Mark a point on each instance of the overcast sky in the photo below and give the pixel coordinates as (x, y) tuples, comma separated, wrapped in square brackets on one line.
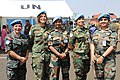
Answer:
[(89, 7)]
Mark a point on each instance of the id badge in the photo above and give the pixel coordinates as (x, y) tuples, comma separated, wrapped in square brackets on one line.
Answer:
[(104, 42), (65, 41)]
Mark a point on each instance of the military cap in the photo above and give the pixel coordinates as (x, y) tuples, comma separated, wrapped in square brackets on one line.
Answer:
[(104, 16), (114, 20), (41, 12), (79, 16), (57, 18), (16, 22)]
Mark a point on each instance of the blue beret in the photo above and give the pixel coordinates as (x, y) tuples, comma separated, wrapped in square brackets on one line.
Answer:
[(104, 16), (67, 19), (56, 18), (114, 20), (16, 22), (79, 16), (41, 12)]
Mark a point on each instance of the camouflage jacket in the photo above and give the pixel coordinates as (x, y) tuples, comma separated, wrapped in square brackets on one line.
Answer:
[(59, 40), (39, 35), (103, 39), (80, 39), (17, 44)]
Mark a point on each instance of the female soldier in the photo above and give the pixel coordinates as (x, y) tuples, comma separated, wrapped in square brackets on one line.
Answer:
[(58, 43), (80, 43), (17, 49), (103, 50), (40, 53)]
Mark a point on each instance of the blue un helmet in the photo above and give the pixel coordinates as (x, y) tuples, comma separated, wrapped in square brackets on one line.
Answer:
[(114, 20), (104, 16), (16, 22), (57, 18), (79, 16), (41, 12)]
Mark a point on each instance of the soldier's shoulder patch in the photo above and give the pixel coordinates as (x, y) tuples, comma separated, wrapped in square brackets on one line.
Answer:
[(71, 34), (49, 36), (7, 42)]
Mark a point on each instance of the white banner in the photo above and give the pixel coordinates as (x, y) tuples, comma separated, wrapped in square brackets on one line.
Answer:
[(20, 8)]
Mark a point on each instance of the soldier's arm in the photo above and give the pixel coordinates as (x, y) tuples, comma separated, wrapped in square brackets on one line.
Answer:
[(92, 49), (50, 46), (16, 56), (66, 50), (54, 51), (113, 44), (71, 40), (8, 49), (27, 54), (108, 51)]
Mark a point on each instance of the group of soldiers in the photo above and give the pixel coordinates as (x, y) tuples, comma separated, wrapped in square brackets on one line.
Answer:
[(51, 49)]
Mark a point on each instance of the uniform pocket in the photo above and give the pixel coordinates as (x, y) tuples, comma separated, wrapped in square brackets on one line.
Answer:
[(12, 64)]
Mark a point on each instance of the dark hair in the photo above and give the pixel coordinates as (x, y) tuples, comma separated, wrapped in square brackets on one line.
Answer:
[(40, 16), (71, 23), (4, 26), (27, 20)]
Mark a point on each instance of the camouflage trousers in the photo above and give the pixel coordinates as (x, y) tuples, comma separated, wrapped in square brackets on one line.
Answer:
[(57, 63), (18, 73), (106, 70), (81, 66), (40, 65)]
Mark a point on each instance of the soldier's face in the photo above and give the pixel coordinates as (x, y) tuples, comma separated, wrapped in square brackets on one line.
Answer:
[(17, 28), (58, 24), (104, 22), (43, 18), (80, 22)]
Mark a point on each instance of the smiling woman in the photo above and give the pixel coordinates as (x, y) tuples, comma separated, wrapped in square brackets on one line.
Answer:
[(16, 46), (103, 48)]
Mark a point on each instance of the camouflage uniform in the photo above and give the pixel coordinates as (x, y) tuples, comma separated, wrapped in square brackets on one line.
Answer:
[(106, 70), (40, 53), (15, 70), (59, 40), (80, 40)]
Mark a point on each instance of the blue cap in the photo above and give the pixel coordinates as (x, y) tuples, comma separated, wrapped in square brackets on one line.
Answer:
[(67, 19), (114, 20), (79, 16), (16, 22), (104, 16), (57, 18), (41, 12)]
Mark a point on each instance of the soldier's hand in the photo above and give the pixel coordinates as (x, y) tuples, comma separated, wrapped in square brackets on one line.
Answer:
[(62, 56), (22, 60), (100, 60)]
